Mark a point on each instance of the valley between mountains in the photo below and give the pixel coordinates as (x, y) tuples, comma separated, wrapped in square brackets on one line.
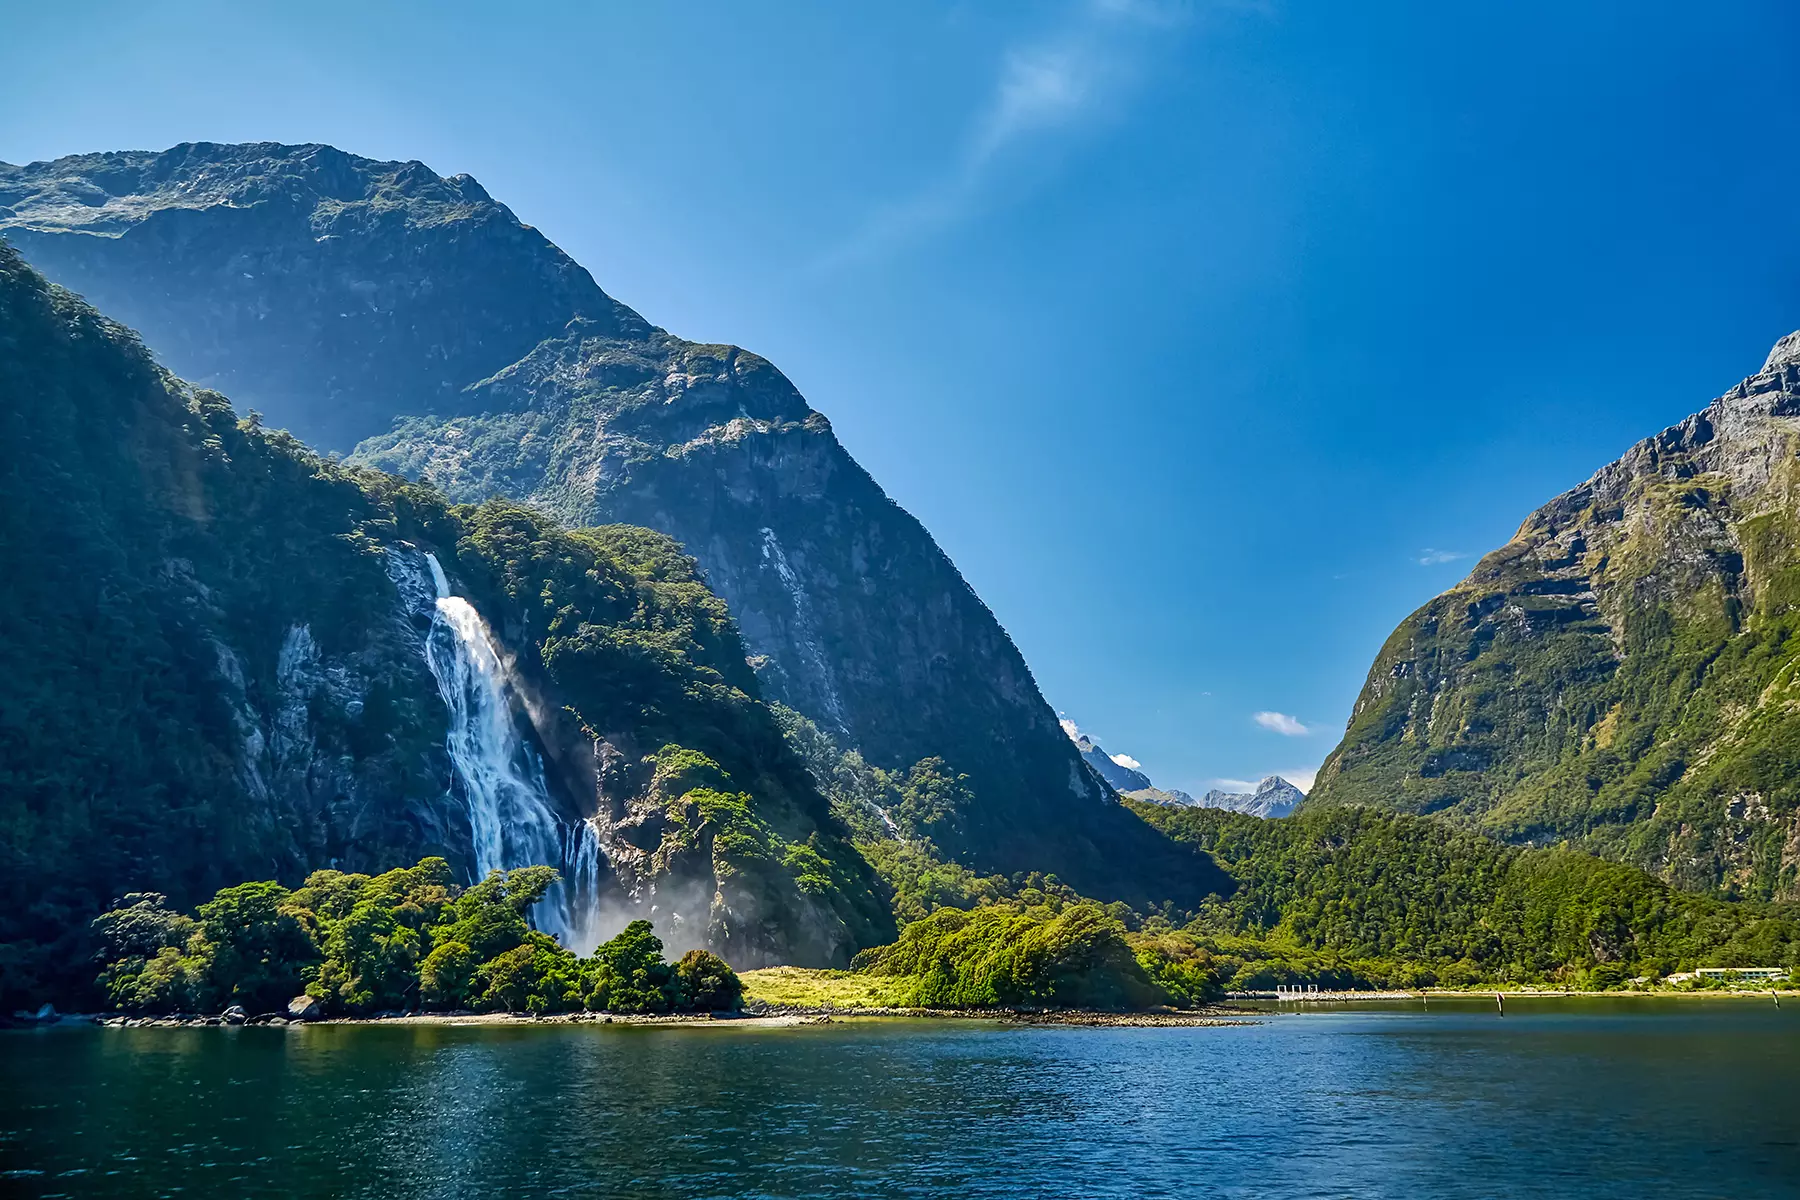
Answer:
[(361, 552)]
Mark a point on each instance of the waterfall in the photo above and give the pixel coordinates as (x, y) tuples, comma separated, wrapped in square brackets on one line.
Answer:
[(806, 630), (511, 817)]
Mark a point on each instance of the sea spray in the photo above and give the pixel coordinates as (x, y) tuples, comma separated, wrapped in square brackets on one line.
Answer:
[(511, 818)]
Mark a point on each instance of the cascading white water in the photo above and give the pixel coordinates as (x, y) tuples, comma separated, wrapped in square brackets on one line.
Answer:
[(511, 816)]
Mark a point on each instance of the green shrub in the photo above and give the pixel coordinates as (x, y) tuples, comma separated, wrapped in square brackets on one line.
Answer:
[(407, 938)]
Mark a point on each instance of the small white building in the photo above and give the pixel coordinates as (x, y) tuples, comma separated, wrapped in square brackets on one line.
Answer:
[(1760, 974)]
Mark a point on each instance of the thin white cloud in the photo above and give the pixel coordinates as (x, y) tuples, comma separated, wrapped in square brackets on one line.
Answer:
[(1431, 558), (1043, 85), (1040, 87), (1281, 723), (1233, 785), (1128, 762), (1071, 728)]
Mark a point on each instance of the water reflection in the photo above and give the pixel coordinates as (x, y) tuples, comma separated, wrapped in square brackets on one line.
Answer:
[(1577, 1099)]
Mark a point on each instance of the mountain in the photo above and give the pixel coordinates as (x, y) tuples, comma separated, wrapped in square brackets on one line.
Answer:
[(1172, 797), (1273, 797), (1119, 776), (228, 658), (1624, 674), (376, 307)]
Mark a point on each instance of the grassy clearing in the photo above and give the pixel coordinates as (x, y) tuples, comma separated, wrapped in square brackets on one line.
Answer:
[(800, 987)]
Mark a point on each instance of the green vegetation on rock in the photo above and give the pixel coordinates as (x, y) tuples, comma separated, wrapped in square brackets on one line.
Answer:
[(1624, 675)]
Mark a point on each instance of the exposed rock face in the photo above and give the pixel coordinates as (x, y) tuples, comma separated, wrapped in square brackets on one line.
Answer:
[(1622, 673), (337, 295)]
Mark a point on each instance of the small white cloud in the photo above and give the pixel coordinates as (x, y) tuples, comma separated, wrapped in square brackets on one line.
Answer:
[(1431, 558), (1281, 723), (1128, 762), (1233, 785), (1071, 728)]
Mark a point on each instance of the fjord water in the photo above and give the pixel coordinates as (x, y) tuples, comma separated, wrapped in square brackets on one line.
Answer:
[(1594, 1098)]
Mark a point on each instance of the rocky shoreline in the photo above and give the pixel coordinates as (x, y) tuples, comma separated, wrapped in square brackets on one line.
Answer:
[(750, 1016)]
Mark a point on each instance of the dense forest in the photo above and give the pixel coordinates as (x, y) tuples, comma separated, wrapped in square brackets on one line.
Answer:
[(1386, 897), (407, 939)]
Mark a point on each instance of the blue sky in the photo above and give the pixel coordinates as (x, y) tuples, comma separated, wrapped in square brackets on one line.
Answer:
[(1208, 338)]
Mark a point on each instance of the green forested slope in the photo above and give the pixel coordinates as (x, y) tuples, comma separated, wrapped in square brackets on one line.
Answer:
[(1622, 674), (211, 675)]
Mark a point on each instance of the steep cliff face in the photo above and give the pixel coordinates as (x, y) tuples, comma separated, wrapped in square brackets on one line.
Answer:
[(220, 665), (342, 296), (1622, 674)]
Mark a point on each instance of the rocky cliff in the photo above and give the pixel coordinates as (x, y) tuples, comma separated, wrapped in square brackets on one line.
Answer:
[(1622, 674), (228, 658), (377, 306)]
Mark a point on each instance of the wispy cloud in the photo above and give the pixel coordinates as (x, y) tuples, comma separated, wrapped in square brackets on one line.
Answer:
[(1233, 785), (1071, 728), (1128, 762), (1431, 558), (1046, 84), (1281, 723)]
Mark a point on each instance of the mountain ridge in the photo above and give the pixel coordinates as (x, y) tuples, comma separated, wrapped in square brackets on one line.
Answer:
[(1620, 675), (344, 296)]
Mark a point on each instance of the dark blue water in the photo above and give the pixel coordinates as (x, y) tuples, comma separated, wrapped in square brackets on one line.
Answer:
[(1599, 1100)]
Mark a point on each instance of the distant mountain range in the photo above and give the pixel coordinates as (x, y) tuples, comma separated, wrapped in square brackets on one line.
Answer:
[(1273, 797)]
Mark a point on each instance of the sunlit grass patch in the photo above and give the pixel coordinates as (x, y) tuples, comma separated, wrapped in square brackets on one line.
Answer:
[(802, 987)]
